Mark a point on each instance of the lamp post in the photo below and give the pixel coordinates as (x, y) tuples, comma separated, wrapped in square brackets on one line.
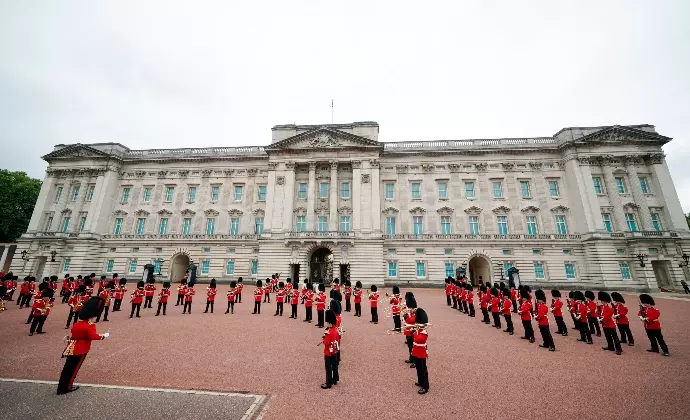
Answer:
[(25, 255), (52, 256), (642, 258), (686, 259)]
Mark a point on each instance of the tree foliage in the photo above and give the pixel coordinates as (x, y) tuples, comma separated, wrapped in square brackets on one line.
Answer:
[(687, 219), (18, 195)]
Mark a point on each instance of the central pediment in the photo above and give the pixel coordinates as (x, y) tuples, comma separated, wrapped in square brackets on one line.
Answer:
[(324, 138)]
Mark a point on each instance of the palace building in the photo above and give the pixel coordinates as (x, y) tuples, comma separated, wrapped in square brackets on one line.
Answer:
[(591, 206)]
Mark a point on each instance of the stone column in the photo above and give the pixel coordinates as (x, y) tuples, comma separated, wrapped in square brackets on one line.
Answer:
[(43, 201), (289, 188), (356, 193), (311, 194), (638, 195), (270, 196), (674, 217), (614, 198), (105, 198), (375, 196), (333, 198), (5, 252), (590, 200)]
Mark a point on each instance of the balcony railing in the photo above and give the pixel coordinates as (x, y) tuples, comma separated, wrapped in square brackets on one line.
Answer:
[(408, 146), (511, 237), (181, 236), (316, 234)]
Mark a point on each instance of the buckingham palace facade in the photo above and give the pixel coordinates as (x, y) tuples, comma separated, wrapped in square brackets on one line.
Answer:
[(588, 205)]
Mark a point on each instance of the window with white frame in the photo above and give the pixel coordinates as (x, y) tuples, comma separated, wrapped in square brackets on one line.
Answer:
[(442, 191), (302, 191), (417, 224), (507, 266), (133, 265), (234, 225), (169, 193), (608, 225), (390, 191), (532, 228), (323, 190), (597, 185), (186, 225), (210, 225), (525, 189), (90, 192), (569, 270), (625, 271), (445, 225), (448, 251), (644, 185), (392, 269), (255, 267), (474, 225), (49, 222), (239, 190), (75, 193), (125, 194), (163, 226), (109, 265), (421, 269), (502, 222), (230, 268), (117, 229), (469, 189), (416, 191), (620, 185), (82, 224), (539, 270), (450, 270), (390, 225), (323, 223), (65, 264), (191, 194), (215, 193), (58, 193), (205, 266), (141, 225), (656, 222), (344, 223), (156, 265), (65, 224), (147, 194), (631, 222), (497, 189), (301, 224), (553, 188), (561, 225), (259, 225), (345, 190), (261, 196)]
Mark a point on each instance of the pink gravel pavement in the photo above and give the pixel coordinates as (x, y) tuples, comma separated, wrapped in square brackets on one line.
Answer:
[(475, 371)]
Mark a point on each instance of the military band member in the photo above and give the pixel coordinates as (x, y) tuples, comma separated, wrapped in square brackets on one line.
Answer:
[(188, 297), (240, 286), (41, 310), (89, 285), (592, 313), (484, 300), (557, 310), (330, 349), (572, 308), (163, 296), (395, 302), (506, 310), (181, 290), (650, 316), (608, 324), (409, 318), (542, 318), (448, 291), (336, 307), (348, 294), (621, 317), (79, 344), (320, 301), (137, 298), (294, 299), (495, 306), (75, 304), (358, 298), (374, 302), (268, 287), (210, 295), (280, 298), (119, 294), (420, 336), (525, 312), (149, 292), (257, 297), (65, 287), (41, 287), (231, 297), (581, 317), (308, 298), (470, 298), (24, 293), (105, 294)]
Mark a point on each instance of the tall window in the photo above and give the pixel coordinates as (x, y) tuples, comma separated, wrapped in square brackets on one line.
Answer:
[(539, 270), (656, 222), (525, 190), (238, 192), (82, 224), (301, 224), (644, 185), (417, 222), (65, 224), (163, 229), (125, 194), (147, 194), (205, 266), (469, 189), (118, 226), (109, 266), (235, 226), (323, 190), (445, 225), (345, 190), (169, 193), (442, 191), (262, 193), (416, 191), (141, 224), (75, 193), (215, 193), (625, 271), (302, 191), (65, 265), (156, 266), (259, 225), (186, 225), (89, 193), (561, 226), (502, 225), (607, 222), (553, 188), (230, 268), (450, 270), (569, 270), (58, 193), (507, 266), (620, 185), (390, 225), (191, 194), (344, 223), (390, 191), (630, 220), (255, 267), (421, 269), (49, 223), (597, 184), (323, 224), (392, 269), (474, 225), (133, 266), (532, 225), (210, 225), (498, 189)]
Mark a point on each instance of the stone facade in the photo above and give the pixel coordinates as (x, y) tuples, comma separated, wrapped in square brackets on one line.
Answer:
[(583, 206)]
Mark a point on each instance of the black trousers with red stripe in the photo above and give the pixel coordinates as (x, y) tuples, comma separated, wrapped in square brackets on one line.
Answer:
[(69, 372)]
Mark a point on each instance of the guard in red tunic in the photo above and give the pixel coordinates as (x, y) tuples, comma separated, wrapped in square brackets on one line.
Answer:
[(75, 304), (240, 286), (581, 317), (572, 308), (620, 314), (448, 291), (420, 336), (181, 290), (557, 310), (149, 292), (514, 294), (79, 344), (280, 298), (337, 308), (396, 302), (231, 297), (308, 299), (294, 299), (330, 349), (320, 301), (409, 318), (53, 283), (268, 287), (137, 298), (374, 302), (470, 299), (484, 300), (119, 294), (358, 298), (89, 286), (24, 293), (105, 294), (650, 316), (41, 287), (257, 297), (210, 295), (163, 296), (188, 296), (507, 305), (525, 312), (41, 310), (592, 313), (608, 324), (495, 307), (64, 289), (542, 318), (348, 294)]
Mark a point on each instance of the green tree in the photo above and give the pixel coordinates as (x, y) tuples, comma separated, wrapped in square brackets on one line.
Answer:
[(687, 219), (18, 195)]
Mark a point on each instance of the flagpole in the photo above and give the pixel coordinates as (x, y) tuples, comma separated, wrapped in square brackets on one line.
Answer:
[(332, 111)]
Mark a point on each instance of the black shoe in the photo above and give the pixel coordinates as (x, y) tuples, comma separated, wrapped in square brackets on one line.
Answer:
[(653, 351), (531, 340), (579, 339), (422, 391), (105, 320), (157, 314), (565, 334), (408, 360), (227, 312), (324, 386), (30, 334), (74, 388), (417, 384), (275, 314), (618, 352), (590, 342), (67, 327), (511, 333), (130, 317), (28, 322), (607, 348), (205, 312), (598, 334), (552, 348), (524, 338), (666, 354), (631, 344), (412, 366), (40, 332)]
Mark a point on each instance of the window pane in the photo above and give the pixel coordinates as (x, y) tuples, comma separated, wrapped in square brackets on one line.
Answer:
[(539, 270), (450, 270), (147, 194), (302, 191), (620, 185), (262, 193), (469, 189), (230, 267), (82, 224), (416, 191), (323, 190), (345, 190), (118, 226), (561, 226), (474, 225), (238, 192), (186, 224), (125, 194), (169, 192), (301, 224), (109, 266), (75, 193), (656, 222), (390, 225), (607, 222), (89, 195), (255, 267), (344, 223), (625, 271), (140, 226), (502, 225), (531, 225), (597, 185), (643, 185), (498, 190), (259, 225), (421, 269), (569, 271), (132, 266), (417, 223), (632, 224), (235, 226), (65, 224), (58, 193), (164, 226), (65, 265), (445, 225), (205, 265), (390, 191), (442, 190), (524, 189), (392, 269), (323, 223), (215, 193), (553, 188), (210, 226), (191, 194)]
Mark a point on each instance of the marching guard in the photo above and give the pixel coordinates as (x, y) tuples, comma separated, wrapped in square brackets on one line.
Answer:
[(119, 294), (526, 315), (495, 306), (420, 336), (330, 349), (257, 297), (240, 286), (374, 302), (41, 310), (358, 298), (543, 320), (210, 295), (506, 310), (592, 313), (308, 298), (188, 296), (650, 316), (280, 298), (581, 317), (348, 294), (470, 299), (149, 292), (409, 315), (231, 297), (137, 298), (608, 324), (557, 310), (395, 301), (105, 294), (448, 291), (75, 303), (181, 289), (163, 296), (294, 299), (320, 305), (620, 314)]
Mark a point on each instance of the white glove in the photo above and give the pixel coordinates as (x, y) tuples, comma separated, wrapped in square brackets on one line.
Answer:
[(106, 335)]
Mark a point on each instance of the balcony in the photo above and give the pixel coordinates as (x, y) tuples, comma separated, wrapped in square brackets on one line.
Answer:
[(470, 237), (644, 234), (180, 236), (320, 235), (448, 145)]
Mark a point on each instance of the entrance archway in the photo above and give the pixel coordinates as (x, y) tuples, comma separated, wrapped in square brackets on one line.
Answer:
[(479, 269), (321, 265), (178, 267)]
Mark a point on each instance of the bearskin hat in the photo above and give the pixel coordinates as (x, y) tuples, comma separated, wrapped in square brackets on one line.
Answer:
[(166, 285), (527, 288), (502, 285), (555, 293), (71, 279), (88, 282), (110, 284), (337, 296), (53, 278), (645, 299), (374, 288), (123, 281), (183, 281), (421, 317), (103, 277), (347, 283), (79, 277), (578, 296), (506, 293), (469, 286), (604, 297), (336, 281), (92, 275), (310, 286), (570, 294), (330, 317), (540, 295), (281, 284), (335, 307), (617, 297), (396, 290), (358, 284), (295, 285), (140, 284), (42, 286), (494, 292), (239, 280), (482, 288), (92, 308), (447, 280), (524, 293), (410, 300), (258, 283), (212, 284), (151, 280), (322, 287), (48, 293), (81, 289), (115, 275), (66, 275), (589, 294), (27, 278), (233, 284)]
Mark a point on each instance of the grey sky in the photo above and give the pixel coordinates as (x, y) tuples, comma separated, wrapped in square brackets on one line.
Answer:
[(175, 74)]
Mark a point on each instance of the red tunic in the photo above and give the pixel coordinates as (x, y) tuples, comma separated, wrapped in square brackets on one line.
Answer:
[(484, 301), (470, 297), (309, 299), (395, 302), (622, 312), (149, 290), (557, 308), (105, 295), (448, 289), (257, 294), (348, 292), (526, 311), (231, 295), (592, 311), (513, 294), (330, 342), (181, 289), (74, 303), (189, 294), (211, 294), (280, 296), (507, 305), (163, 295), (409, 323), (294, 297), (607, 317), (24, 288), (138, 296), (39, 306), (83, 332), (419, 339), (358, 295), (495, 304), (582, 311), (542, 314), (463, 295), (374, 299), (321, 301), (652, 322)]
